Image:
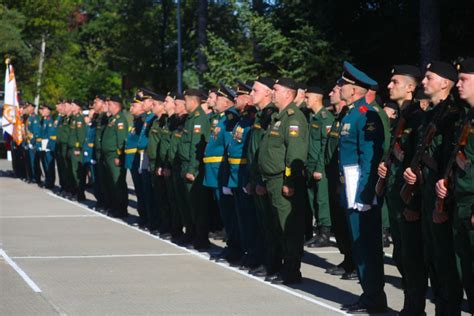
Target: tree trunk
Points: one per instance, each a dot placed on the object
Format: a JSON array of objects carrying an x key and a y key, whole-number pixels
[
  {"x": 202, "y": 35},
  {"x": 429, "y": 31},
  {"x": 40, "y": 71}
]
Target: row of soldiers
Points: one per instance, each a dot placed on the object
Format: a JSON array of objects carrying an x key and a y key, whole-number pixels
[{"x": 265, "y": 153}]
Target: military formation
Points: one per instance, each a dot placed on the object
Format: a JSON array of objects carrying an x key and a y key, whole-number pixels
[{"x": 270, "y": 168}]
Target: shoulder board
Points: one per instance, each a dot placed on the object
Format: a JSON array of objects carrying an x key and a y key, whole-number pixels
[
  {"x": 324, "y": 114},
  {"x": 291, "y": 112},
  {"x": 197, "y": 114},
  {"x": 230, "y": 116}
]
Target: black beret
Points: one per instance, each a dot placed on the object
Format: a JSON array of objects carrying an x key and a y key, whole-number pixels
[
  {"x": 115, "y": 98},
  {"x": 302, "y": 86},
  {"x": 407, "y": 70},
  {"x": 266, "y": 81},
  {"x": 212, "y": 90},
  {"x": 288, "y": 82},
  {"x": 179, "y": 96},
  {"x": 100, "y": 96},
  {"x": 392, "y": 105},
  {"x": 47, "y": 106},
  {"x": 243, "y": 88},
  {"x": 226, "y": 92},
  {"x": 315, "y": 89},
  {"x": 466, "y": 66},
  {"x": 193, "y": 93},
  {"x": 443, "y": 69}
]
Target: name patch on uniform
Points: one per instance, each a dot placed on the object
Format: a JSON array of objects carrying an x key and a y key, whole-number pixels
[
  {"x": 197, "y": 128},
  {"x": 315, "y": 125},
  {"x": 216, "y": 131},
  {"x": 345, "y": 129},
  {"x": 294, "y": 130}
]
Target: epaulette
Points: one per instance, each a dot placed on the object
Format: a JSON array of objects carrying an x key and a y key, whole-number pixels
[
  {"x": 324, "y": 114},
  {"x": 291, "y": 112},
  {"x": 197, "y": 114},
  {"x": 230, "y": 116}
]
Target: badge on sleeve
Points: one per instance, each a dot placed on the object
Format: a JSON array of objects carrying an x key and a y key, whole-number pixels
[
  {"x": 197, "y": 128},
  {"x": 120, "y": 125},
  {"x": 294, "y": 130}
]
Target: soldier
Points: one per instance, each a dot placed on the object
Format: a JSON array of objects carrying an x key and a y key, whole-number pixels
[
  {"x": 48, "y": 134},
  {"x": 345, "y": 269},
  {"x": 171, "y": 167},
  {"x": 440, "y": 78},
  {"x": 33, "y": 128},
  {"x": 99, "y": 122},
  {"x": 217, "y": 169},
  {"x": 320, "y": 122},
  {"x": 360, "y": 150},
  {"x": 61, "y": 148},
  {"x": 160, "y": 200},
  {"x": 190, "y": 152},
  {"x": 463, "y": 188},
  {"x": 267, "y": 216},
  {"x": 76, "y": 137},
  {"x": 88, "y": 145},
  {"x": 144, "y": 162},
  {"x": 132, "y": 159},
  {"x": 282, "y": 156},
  {"x": 112, "y": 148},
  {"x": 237, "y": 150},
  {"x": 406, "y": 235}
]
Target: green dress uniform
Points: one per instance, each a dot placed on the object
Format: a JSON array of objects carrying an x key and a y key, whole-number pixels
[
  {"x": 76, "y": 137},
  {"x": 281, "y": 160},
  {"x": 464, "y": 211},
  {"x": 319, "y": 126},
  {"x": 267, "y": 217},
  {"x": 438, "y": 238},
  {"x": 160, "y": 200},
  {"x": 98, "y": 164},
  {"x": 190, "y": 153},
  {"x": 61, "y": 153},
  {"x": 338, "y": 213},
  {"x": 112, "y": 147},
  {"x": 174, "y": 183}
]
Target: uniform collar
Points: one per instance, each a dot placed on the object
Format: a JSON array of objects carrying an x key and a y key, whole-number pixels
[{"x": 292, "y": 106}]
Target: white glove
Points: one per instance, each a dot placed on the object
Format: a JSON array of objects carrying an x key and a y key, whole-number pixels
[
  {"x": 227, "y": 191},
  {"x": 245, "y": 190},
  {"x": 363, "y": 207}
]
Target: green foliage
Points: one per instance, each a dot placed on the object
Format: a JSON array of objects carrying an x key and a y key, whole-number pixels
[{"x": 12, "y": 42}]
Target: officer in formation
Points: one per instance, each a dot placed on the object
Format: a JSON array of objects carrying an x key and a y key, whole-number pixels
[{"x": 266, "y": 155}]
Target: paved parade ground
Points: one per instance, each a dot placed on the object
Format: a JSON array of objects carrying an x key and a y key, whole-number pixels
[{"x": 60, "y": 257}]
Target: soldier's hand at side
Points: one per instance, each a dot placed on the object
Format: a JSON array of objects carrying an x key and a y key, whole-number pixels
[
  {"x": 117, "y": 162},
  {"x": 287, "y": 191},
  {"x": 441, "y": 190},
  {"x": 409, "y": 176},
  {"x": 189, "y": 177},
  {"x": 77, "y": 153},
  {"x": 382, "y": 170},
  {"x": 159, "y": 172},
  {"x": 260, "y": 190},
  {"x": 250, "y": 189},
  {"x": 317, "y": 175},
  {"x": 439, "y": 217},
  {"x": 411, "y": 216}
]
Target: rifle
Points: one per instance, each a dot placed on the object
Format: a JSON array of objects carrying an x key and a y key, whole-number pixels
[
  {"x": 394, "y": 144},
  {"x": 408, "y": 190},
  {"x": 456, "y": 155}
]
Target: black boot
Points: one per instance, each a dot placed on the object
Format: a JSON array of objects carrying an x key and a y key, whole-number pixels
[
  {"x": 323, "y": 239},
  {"x": 386, "y": 238}
]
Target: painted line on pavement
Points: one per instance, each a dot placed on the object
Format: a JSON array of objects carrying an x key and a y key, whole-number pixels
[
  {"x": 22, "y": 273},
  {"x": 206, "y": 257},
  {"x": 105, "y": 256},
  {"x": 386, "y": 254},
  {"x": 46, "y": 216}
]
